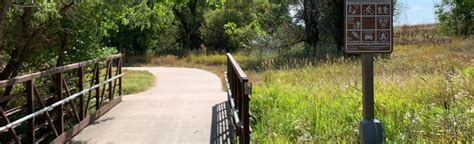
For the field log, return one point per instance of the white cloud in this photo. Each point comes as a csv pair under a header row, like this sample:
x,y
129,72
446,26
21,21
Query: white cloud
x,y
418,8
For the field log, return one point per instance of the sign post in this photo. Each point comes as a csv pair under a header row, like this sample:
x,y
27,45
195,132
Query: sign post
x,y
368,30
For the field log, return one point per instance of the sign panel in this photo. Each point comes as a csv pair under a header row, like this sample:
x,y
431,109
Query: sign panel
x,y
368,26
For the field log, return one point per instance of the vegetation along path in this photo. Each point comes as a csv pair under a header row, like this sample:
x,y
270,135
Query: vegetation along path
x,y
178,109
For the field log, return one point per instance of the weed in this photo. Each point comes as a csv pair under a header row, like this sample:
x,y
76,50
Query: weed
x,y
137,81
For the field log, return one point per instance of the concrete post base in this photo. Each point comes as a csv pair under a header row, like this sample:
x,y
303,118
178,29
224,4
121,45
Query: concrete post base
x,y
371,131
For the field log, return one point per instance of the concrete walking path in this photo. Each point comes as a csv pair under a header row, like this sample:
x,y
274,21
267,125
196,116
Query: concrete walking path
x,y
178,109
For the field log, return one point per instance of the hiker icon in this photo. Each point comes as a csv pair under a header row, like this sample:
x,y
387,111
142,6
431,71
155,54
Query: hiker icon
x,y
383,10
353,10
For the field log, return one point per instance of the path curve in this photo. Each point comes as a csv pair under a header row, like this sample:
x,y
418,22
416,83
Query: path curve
x,y
178,109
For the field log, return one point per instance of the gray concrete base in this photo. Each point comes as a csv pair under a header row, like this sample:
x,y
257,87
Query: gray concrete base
x,y
371,131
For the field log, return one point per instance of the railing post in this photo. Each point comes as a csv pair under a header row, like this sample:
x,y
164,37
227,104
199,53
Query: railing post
x,y
245,110
60,109
80,86
120,78
236,96
97,81
31,109
109,75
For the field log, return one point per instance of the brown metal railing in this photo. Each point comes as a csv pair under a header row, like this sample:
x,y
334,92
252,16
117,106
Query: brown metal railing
x,y
54,105
238,92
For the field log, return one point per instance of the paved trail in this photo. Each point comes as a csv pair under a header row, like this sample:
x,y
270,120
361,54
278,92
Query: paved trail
x,y
178,109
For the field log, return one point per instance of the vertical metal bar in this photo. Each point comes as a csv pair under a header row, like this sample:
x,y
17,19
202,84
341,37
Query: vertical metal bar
x,y
245,112
238,91
80,86
235,95
115,81
109,73
239,104
92,81
97,91
30,109
59,109
368,85
120,78
105,86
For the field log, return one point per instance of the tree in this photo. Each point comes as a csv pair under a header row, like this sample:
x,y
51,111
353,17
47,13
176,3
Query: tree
x,y
144,29
456,17
311,20
66,32
189,14
4,8
239,25
337,23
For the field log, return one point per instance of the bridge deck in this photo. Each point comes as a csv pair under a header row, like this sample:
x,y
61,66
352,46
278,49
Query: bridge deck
x,y
181,108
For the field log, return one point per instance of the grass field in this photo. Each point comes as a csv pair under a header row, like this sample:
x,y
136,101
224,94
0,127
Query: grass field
x,y
423,92
137,81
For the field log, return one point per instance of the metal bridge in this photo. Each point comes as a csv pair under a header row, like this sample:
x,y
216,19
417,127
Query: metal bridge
x,y
83,103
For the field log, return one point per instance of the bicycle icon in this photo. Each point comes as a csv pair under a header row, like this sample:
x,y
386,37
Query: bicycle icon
x,y
368,10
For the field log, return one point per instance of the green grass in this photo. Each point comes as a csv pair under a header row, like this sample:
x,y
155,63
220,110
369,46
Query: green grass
x,y
422,93
137,81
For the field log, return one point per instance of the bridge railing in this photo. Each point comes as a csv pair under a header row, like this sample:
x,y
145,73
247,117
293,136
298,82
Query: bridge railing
x,y
238,92
54,105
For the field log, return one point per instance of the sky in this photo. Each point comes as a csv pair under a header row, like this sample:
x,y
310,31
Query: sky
x,y
417,12
413,12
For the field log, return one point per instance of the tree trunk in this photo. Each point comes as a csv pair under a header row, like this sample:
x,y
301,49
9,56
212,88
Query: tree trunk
x,y
337,8
15,61
13,66
62,48
3,13
17,57
467,24
311,16
190,24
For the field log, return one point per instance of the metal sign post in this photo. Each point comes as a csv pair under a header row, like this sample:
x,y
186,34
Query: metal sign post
x,y
368,30
370,129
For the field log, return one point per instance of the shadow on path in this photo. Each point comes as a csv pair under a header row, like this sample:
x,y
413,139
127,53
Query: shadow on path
x,y
221,129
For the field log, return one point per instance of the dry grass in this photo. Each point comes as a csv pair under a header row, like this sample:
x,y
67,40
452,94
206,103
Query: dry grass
x,y
419,34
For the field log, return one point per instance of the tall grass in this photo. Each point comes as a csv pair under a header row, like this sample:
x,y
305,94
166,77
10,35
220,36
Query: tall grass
x,y
421,94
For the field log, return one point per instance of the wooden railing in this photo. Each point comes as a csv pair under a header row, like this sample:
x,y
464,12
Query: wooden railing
x,y
238,91
54,105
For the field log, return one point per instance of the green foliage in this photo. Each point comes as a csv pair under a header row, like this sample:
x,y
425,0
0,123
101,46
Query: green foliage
x,y
50,34
241,38
143,29
237,26
137,81
456,17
